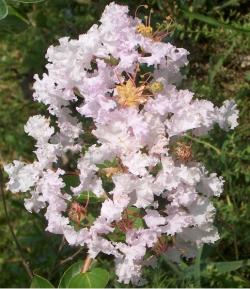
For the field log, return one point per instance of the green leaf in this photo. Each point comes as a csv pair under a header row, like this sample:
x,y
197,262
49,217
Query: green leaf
x,y
97,278
13,23
30,1
73,270
71,181
225,267
226,4
214,22
14,12
247,76
136,216
139,223
217,67
40,282
107,164
3,9
84,196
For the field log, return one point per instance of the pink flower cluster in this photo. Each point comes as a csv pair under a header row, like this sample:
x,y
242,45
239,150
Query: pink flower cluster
x,y
124,79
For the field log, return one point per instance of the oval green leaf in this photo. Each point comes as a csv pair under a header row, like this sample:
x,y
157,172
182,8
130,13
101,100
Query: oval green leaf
x,y
40,282
97,278
12,24
73,270
226,267
3,9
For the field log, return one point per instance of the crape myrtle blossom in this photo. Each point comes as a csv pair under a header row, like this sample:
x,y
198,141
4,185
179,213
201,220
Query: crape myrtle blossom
x,y
138,176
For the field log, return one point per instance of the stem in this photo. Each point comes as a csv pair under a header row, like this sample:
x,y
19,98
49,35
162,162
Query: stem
x,y
197,268
55,264
86,205
61,245
86,265
70,258
206,144
172,266
236,250
18,246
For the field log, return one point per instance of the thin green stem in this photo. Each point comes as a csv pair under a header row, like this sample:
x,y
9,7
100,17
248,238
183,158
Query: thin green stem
x,y
197,268
206,144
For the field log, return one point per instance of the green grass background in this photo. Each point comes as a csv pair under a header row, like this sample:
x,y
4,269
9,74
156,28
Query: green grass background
x,y
217,35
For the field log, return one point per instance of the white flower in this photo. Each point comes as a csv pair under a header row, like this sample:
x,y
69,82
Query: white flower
x,y
39,128
22,176
228,115
144,192
177,220
137,163
183,195
200,235
97,244
75,238
211,185
110,211
153,219
35,203
151,193
202,211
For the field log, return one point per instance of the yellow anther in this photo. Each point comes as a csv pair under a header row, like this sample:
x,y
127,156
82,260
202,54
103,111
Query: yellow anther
x,y
156,87
146,31
109,172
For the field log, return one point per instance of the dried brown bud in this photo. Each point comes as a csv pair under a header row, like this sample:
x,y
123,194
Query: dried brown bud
x,y
77,212
124,225
183,152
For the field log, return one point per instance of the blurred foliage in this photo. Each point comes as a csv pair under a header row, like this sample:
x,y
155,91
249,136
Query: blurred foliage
x,y
217,35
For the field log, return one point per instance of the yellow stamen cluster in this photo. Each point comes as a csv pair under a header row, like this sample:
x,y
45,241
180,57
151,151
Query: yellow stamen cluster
x,y
129,95
146,31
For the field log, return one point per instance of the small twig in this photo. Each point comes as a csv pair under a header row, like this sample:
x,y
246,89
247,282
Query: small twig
x,y
56,260
18,246
86,205
61,245
206,144
70,258
87,263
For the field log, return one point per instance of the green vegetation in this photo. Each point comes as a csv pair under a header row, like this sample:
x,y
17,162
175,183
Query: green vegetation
x,y
217,34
